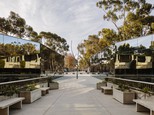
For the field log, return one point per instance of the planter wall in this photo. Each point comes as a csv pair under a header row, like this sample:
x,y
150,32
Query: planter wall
x,y
109,84
98,85
123,97
54,85
30,96
3,98
7,97
44,84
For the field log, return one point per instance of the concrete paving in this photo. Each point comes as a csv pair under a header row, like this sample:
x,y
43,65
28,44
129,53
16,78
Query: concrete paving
x,y
77,97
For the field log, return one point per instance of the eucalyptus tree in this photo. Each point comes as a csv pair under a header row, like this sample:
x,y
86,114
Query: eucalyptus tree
x,y
139,23
108,37
17,24
116,9
135,15
88,48
5,26
96,44
34,36
55,42
28,48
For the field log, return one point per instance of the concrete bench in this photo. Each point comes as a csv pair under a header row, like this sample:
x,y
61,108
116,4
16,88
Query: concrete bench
x,y
107,90
44,90
10,103
143,105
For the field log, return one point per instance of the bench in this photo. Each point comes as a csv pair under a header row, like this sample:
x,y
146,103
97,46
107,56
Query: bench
x,y
143,105
44,90
15,103
107,90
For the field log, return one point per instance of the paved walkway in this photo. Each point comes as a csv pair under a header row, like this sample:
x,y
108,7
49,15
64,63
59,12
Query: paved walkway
x,y
77,97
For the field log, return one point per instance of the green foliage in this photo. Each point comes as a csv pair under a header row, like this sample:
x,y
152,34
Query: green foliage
x,y
134,14
88,48
9,90
22,64
30,87
4,26
50,80
2,63
108,36
125,48
106,79
116,10
146,90
28,48
13,49
95,44
15,25
123,87
55,42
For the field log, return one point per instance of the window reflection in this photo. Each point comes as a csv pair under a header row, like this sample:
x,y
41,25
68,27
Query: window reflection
x,y
19,53
141,64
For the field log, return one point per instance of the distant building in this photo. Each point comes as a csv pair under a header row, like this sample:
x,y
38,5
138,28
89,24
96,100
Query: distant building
x,y
99,63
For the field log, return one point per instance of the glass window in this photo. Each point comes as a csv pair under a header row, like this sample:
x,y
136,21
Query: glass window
x,y
125,58
141,58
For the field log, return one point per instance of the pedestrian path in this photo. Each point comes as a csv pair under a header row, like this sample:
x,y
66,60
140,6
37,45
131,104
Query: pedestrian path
x,y
77,97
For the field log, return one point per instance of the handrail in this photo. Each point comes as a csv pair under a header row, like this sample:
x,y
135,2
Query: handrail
x,y
147,83
132,83
25,80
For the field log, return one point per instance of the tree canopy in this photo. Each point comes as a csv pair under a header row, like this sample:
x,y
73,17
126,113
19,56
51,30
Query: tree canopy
x,y
15,25
134,15
70,61
135,20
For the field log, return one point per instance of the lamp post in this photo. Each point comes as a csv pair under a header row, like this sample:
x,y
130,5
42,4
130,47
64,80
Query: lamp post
x,y
77,70
77,65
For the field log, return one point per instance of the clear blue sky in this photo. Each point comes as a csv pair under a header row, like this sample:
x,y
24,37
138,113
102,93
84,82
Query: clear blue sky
x,y
73,20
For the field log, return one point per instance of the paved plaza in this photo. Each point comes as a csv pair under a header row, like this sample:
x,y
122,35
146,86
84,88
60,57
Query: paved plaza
x,y
77,97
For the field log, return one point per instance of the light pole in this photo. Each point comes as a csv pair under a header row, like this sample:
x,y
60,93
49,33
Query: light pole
x,y
77,65
77,70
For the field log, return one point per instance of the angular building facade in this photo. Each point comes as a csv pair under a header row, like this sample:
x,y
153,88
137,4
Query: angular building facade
x,y
135,59
20,58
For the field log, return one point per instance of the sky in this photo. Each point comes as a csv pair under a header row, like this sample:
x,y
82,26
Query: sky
x,y
73,20
144,41
13,40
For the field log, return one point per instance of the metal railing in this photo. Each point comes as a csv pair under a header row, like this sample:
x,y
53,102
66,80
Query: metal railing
x,y
139,85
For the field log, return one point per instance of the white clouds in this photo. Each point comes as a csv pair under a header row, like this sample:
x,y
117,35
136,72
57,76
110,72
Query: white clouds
x,y
72,19
28,7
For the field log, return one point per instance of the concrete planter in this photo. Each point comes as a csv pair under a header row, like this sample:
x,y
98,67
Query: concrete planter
x,y
54,85
98,85
44,84
125,97
30,96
